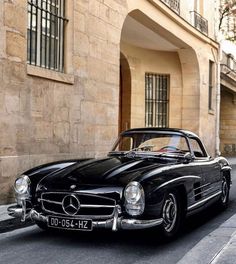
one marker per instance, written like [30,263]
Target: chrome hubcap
[169,212]
[224,191]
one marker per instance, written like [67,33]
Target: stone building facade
[228,104]
[112,51]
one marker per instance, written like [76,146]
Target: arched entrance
[125,94]
[158,72]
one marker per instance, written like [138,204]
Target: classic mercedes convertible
[152,178]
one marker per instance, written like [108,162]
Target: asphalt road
[31,245]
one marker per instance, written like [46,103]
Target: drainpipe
[218,37]
[218,97]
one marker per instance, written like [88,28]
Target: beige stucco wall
[188,105]
[143,61]
[228,123]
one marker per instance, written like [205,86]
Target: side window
[197,148]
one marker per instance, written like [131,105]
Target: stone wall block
[8,137]
[94,7]
[14,72]
[43,130]
[9,166]
[82,48]
[105,137]
[80,22]
[25,102]
[37,102]
[112,74]
[113,35]
[88,112]
[96,47]
[80,67]
[75,133]
[104,12]
[12,103]
[7,191]
[97,70]
[107,94]
[2,42]
[15,17]
[111,53]
[117,5]
[82,5]
[97,28]
[87,136]
[1,73]
[62,96]
[61,114]
[106,114]
[15,44]
[62,133]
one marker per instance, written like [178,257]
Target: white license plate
[70,223]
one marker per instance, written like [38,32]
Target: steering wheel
[166,148]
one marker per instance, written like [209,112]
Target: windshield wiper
[132,152]
[144,148]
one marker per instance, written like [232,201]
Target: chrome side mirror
[188,157]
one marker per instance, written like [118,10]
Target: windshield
[152,142]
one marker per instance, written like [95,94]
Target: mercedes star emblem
[70,204]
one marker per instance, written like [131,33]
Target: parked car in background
[152,177]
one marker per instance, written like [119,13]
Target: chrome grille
[93,206]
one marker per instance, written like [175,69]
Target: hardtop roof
[156,129]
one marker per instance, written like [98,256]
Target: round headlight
[22,184]
[133,192]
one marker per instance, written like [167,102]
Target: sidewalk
[219,247]
[3,212]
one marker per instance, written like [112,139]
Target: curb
[8,223]
[13,223]
[212,248]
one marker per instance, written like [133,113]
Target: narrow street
[31,245]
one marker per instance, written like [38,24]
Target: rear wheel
[224,198]
[172,214]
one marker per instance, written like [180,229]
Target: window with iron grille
[156,100]
[45,34]
[210,96]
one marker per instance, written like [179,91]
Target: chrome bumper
[114,223]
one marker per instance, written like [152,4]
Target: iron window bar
[46,25]
[156,100]
[173,5]
[200,23]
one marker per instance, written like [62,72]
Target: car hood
[111,171]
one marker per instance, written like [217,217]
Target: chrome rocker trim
[114,223]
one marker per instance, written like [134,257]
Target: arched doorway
[148,49]
[125,94]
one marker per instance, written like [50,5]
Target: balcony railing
[200,23]
[173,4]
[229,61]
[228,66]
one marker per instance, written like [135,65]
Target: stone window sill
[211,112]
[50,74]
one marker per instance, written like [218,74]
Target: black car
[152,177]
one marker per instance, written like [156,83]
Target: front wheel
[172,214]
[224,198]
